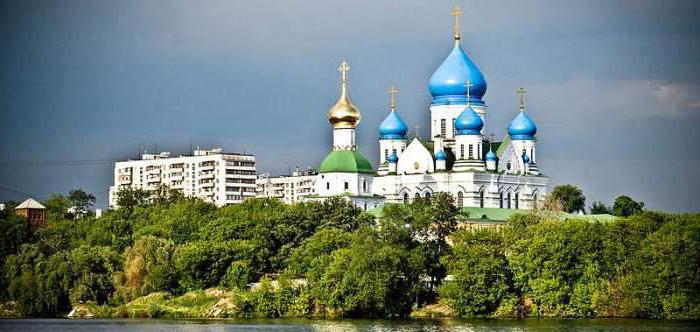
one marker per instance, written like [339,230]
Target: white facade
[289,189]
[212,175]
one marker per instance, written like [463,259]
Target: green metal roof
[502,146]
[346,161]
[491,213]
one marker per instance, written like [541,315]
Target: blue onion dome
[393,127]
[393,158]
[526,159]
[447,85]
[468,122]
[440,155]
[490,156]
[522,128]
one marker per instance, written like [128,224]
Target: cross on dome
[522,92]
[457,12]
[344,68]
[392,92]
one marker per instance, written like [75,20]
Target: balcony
[206,175]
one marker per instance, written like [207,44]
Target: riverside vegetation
[169,256]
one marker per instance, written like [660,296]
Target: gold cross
[392,92]
[457,12]
[521,92]
[344,68]
[468,85]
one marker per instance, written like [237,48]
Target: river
[155,325]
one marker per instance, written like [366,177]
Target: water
[155,325]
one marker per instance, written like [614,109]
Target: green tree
[57,207]
[571,197]
[80,201]
[129,198]
[480,271]
[625,206]
[600,208]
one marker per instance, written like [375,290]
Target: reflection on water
[596,325]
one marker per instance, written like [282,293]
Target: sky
[613,85]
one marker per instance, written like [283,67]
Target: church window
[517,201]
[443,128]
[460,199]
[428,195]
[386,154]
[394,151]
[461,151]
[405,198]
[481,199]
[471,151]
[500,200]
[509,199]
[365,206]
[347,185]
[478,151]
[532,155]
[328,185]
[364,186]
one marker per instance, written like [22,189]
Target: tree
[625,206]
[570,196]
[80,201]
[57,207]
[599,208]
[129,198]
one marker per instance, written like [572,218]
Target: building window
[461,151]
[428,195]
[478,152]
[347,185]
[364,186]
[500,200]
[509,199]
[481,199]
[517,201]
[405,198]
[471,151]
[394,151]
[443,128]
[386,154]
[532,155]
[328,185]
[460,199]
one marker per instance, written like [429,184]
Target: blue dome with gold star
[491,156]
[440,155]
[392,127]
[522,128]
[468,122]
[447,85]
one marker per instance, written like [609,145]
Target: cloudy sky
[614,86]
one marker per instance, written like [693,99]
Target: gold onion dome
[344,114]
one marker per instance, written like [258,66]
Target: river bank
[535,325]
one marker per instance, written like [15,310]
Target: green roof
[502,146]
[346,161]
[491,213]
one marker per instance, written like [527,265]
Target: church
[458,158]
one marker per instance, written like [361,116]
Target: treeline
[332,259]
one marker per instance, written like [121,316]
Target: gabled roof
[30,203]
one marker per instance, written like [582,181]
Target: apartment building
[288,188]
[212,175]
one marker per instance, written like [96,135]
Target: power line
[83,162]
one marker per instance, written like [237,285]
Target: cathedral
[458,158]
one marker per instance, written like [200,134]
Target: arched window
[517,201]
[500,200]
[460,199]
[405,198]
[481,199]
[534,200]
[428,195]
[509,199]
[364,186]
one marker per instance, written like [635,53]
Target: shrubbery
[177,257]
